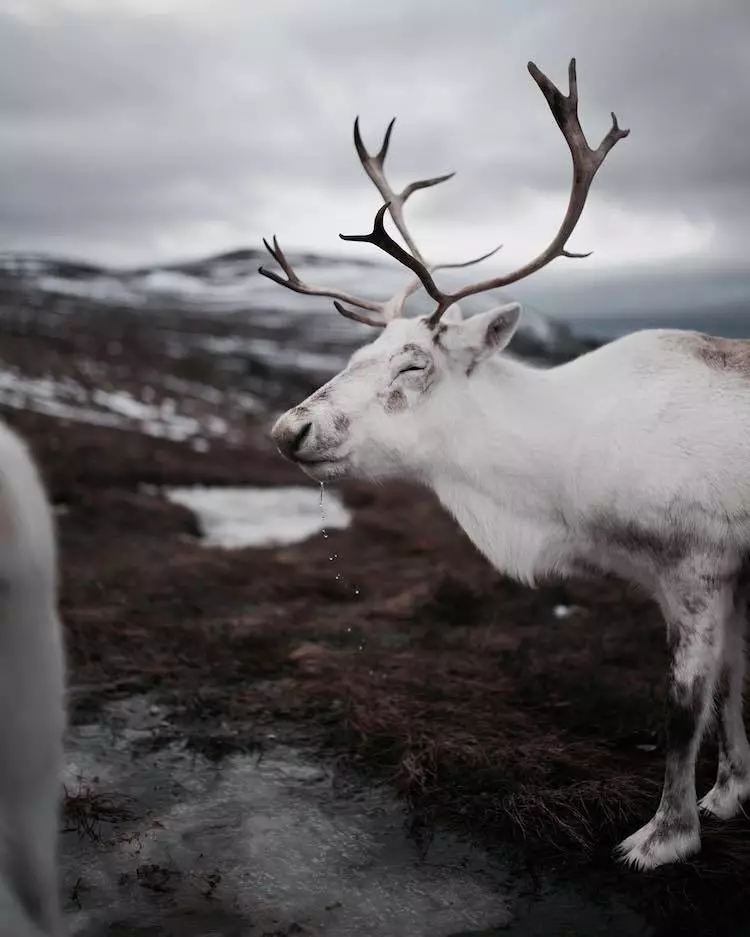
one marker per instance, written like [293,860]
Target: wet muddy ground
[160,840]
[510,736]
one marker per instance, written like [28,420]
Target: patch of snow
[100,288]
[275,353]
[233,518]
[69,400]
[194,389]
[20,265]
[172,283]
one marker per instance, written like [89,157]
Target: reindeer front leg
[696,610]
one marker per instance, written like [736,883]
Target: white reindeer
[32,710]
[629,460]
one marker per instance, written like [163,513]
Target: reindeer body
[648,478]
[631,460]
[549,476]
[31,699]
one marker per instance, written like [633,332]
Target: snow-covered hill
[230,283]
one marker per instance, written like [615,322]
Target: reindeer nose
[290,436]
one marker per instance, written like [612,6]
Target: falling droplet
[323,512]
[332,557]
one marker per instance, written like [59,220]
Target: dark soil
[463,689]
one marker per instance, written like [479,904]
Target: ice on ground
[233,518]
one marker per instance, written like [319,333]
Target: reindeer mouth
[330,461]
[321,470]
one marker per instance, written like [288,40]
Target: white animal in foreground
[32,708]
[633,459]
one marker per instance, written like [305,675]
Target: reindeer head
[413,383]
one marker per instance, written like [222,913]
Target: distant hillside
[230,283]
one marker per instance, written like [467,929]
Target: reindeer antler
[374,167]
[389,309]
[293,282]
[398,301]
[394,203]
[586,162]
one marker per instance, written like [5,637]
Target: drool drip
[332,557]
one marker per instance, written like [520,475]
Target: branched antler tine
[374,167]
[380,238]
[379,158]
[555,98]
[277,279]
[293,282]
[572,82]
[564,108]
[586,162]
[565,111]
[468,263]
[359,145]
[424,184]
[400,299]
[278,255]
[358,317]
[613,135]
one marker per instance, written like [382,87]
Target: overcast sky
[141,130]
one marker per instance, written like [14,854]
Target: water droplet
[338,576]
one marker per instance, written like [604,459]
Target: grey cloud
[122,128]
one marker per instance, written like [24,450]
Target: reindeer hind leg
[732,786]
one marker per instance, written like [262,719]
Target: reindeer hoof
[724,801]
[661,841]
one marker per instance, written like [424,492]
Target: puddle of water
[233,518]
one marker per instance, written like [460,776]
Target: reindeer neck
[502,464]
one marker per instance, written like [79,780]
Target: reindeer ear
[486,333]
